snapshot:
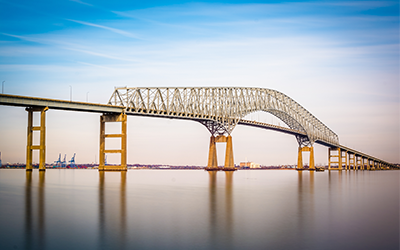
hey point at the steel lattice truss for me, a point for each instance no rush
(221, 108)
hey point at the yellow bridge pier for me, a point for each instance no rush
(367, 163)
(352, 161)
(345, 157)
(42, 144)
(359, 164)
(334, 158)
(113, 118)
(212, 154)
(341, 158)
(300, 158)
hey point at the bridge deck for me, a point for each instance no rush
(27, 101)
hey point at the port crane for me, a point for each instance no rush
(72, 161)
(60, 163)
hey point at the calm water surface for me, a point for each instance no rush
(192, 209)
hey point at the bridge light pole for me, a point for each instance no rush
(87, 93)
(70, 93)
(2, 87)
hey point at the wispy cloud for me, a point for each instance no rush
(25, 38)
(362, 4)
(95, 65)
(80, 2)
(71, 47)
(101, 54)
(117, 31)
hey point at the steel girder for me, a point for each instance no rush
(221, 108)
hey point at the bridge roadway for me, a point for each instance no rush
(112, 113)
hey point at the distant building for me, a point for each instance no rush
(0, 160)
(249, 165)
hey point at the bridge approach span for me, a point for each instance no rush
(349, 152)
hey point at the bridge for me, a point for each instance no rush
(219, 109)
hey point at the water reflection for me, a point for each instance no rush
(101, 208)
(41, 210)
(228, 204)
(213, 205)
(112, 230)
(123, 217)
(199, 210)
(28, 210)
(35, 231)
(305, 206)
(221, 211)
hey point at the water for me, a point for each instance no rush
(192, 209)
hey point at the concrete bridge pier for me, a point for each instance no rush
(359, 165)
(212, 154)
(112, 118)
(334, 158)
(370, 164)
(352, 161)
(344, 156)
(366, 163)
(300, 157)
(341, 158)
(42, 144)
(362, 166)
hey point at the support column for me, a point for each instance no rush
(229, 163)
(42, 144)
(123, 143)
(102, 143)
(29, 141)
(362, 163)
(312, 162)
(113, 118)
(300, 159)
(42, 150)
(212, 155)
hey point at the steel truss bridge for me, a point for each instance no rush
(219, 109)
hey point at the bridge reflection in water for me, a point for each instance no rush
(112, 212)
(35, 219)
(221, 211)
(206, 210)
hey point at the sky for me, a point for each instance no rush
(338, 59)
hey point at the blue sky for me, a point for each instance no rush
(338, 59)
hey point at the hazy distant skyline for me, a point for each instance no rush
(338, 59)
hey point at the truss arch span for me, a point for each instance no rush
(222, 107)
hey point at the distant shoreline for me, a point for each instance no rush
(147, 167)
